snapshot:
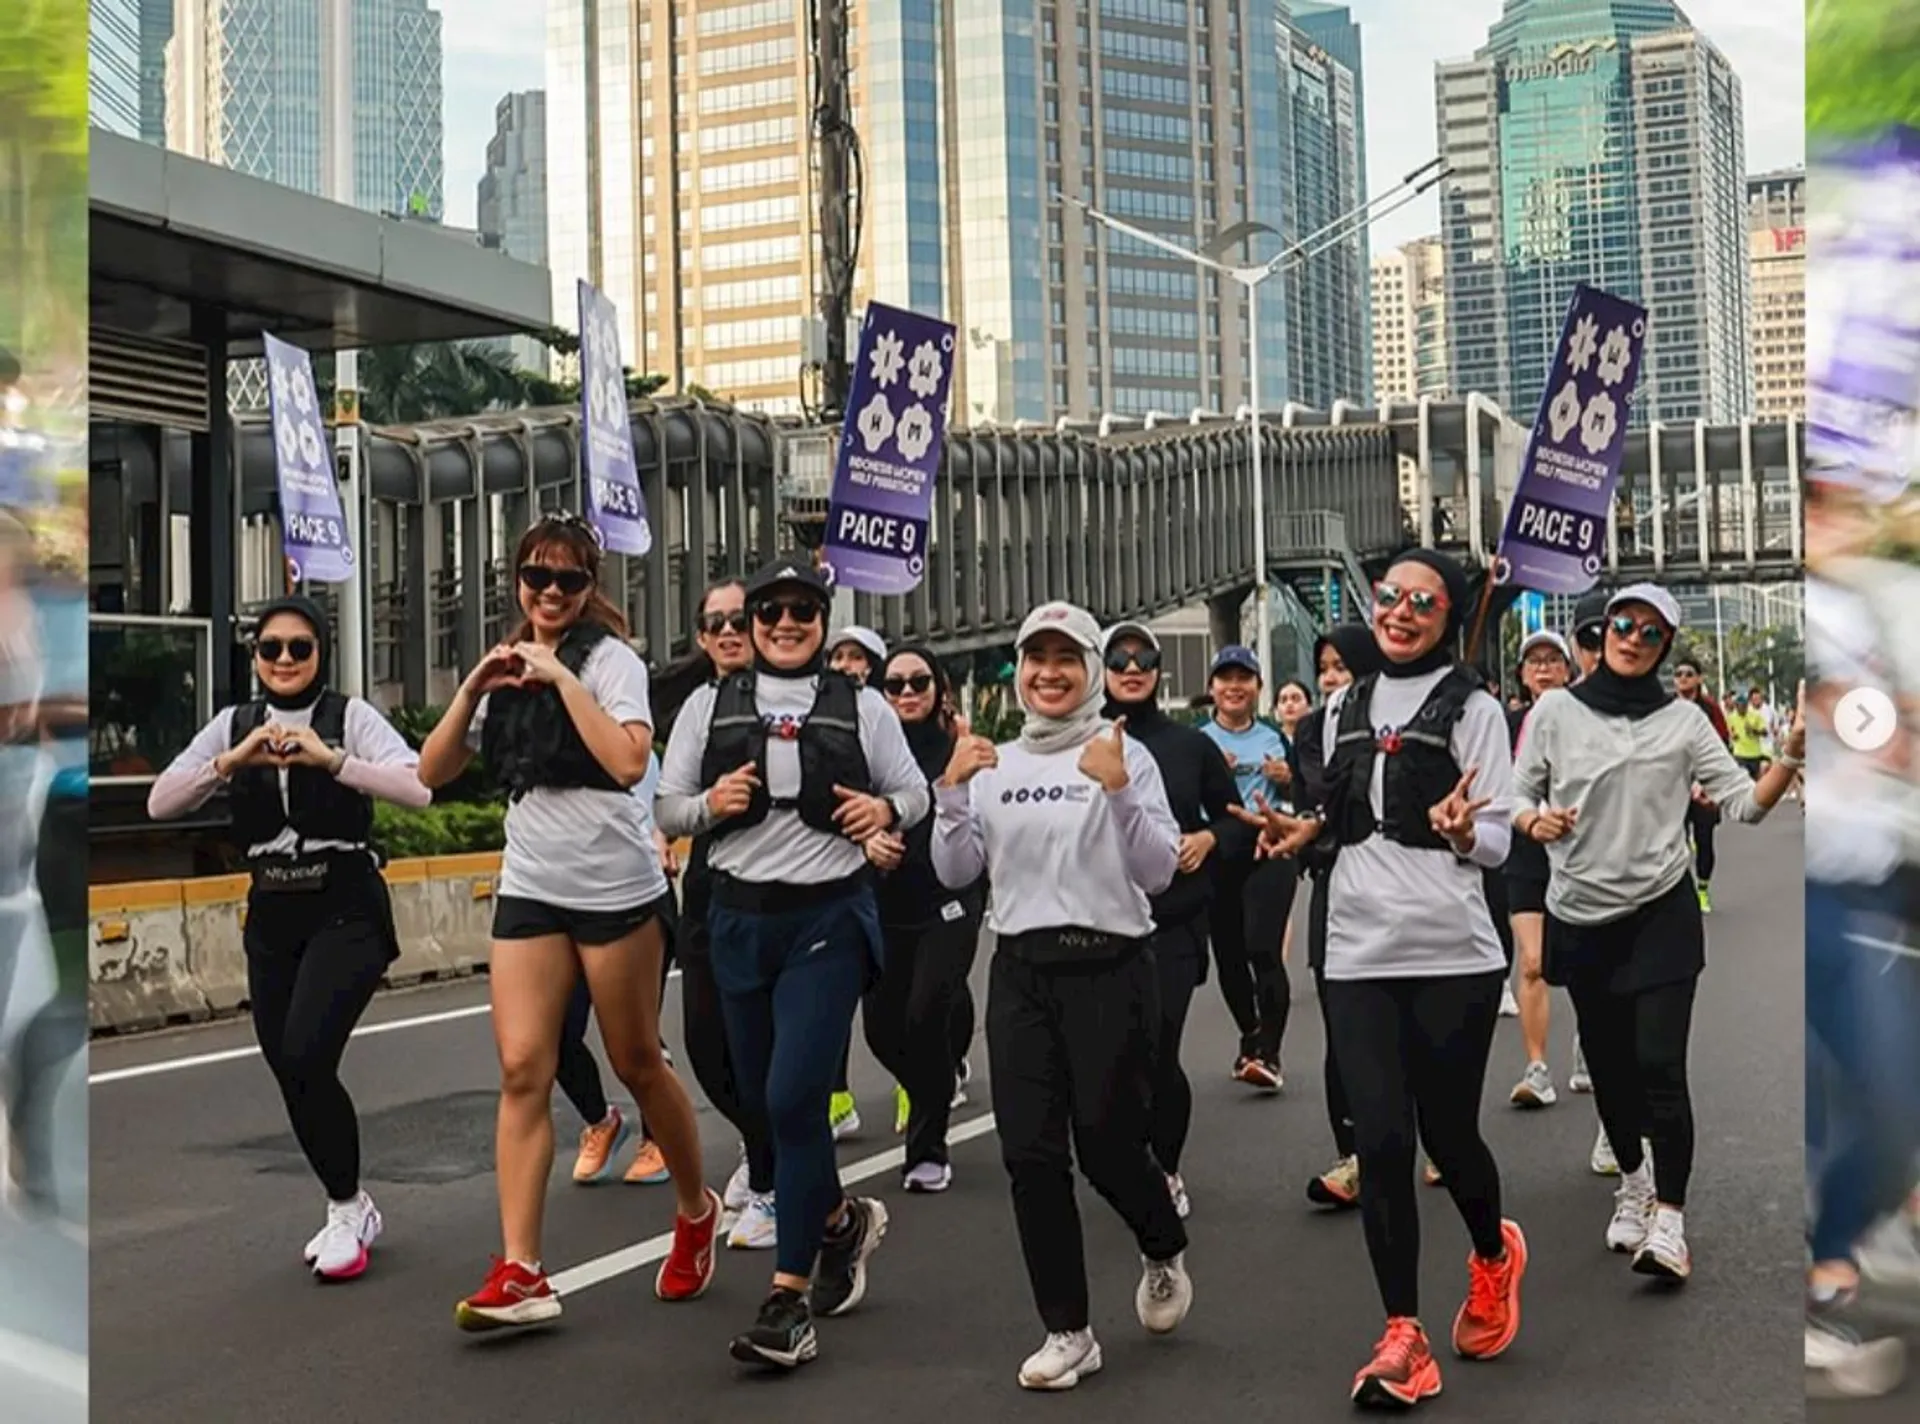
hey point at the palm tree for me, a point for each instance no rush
(435, 381)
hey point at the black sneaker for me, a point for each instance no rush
(840, 1279)
(783, 1335)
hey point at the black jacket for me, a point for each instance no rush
(1201, 790)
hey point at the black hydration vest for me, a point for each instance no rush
(529, 738)
(1420, 771)
(830, 750)
(317, 806)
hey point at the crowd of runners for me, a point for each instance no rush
(849, 837)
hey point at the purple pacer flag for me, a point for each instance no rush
(615, 506)
(313, 531)
(882, 498)
(1556, 535)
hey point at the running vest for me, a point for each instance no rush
(1420, 771)
(529, 738)
(830, 751)
(316, 806)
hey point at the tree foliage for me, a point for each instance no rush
(1861, 70)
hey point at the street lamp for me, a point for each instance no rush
(1339, 230)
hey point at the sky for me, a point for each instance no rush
(494, 47)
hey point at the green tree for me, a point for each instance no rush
(1861, 73)
(1750, 653)
(433, 381)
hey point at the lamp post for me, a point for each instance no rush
(1250, 277)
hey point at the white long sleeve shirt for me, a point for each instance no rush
(783, 849)
(1059, 852)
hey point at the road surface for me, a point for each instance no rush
(201, 1203)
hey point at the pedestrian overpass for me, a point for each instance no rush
(1131, 517)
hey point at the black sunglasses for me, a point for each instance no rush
(714, 624)
(1652, 633)
(298, 649)
(1146, 659)
(540, 578)
(803, 611)
(1590, 638)
(917, 683)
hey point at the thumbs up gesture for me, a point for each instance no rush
(1105, 758)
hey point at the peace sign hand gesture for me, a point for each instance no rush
(1452, 819)
(1105, 758)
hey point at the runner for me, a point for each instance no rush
(1613, 764)
(1251, 899)
(1418, 774)
(860, 653)
(1071, 825)
(302, 766)
(1702, 815)
(931, 935)
(790, 767)
(559, 713)
(1292, 703)
(1200, 790)
(1545, 664)
(1748, 726)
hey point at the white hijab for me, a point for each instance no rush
(1042, 735)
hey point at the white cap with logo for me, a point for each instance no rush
(1067, 619)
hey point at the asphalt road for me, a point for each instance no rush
(202, 1310)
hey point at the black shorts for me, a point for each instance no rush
(1753, 766)
(515, 918)
(1526, 895)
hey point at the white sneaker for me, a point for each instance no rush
(1840, 1365)
(963, 1075)
(756, 1228)
(1632, 1211)
(1889, 1254)
(1580, 1080)
(1535, 1088)
(1509, 1006)
(340, 1250)
(929, 1177)
(1665, 1253)
(1165, 1294)
(739, 1186)
(1177, 1189)
(1602, 1160)
(1062, 1362)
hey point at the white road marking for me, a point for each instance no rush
(44, 1363)
(252, 1050)
(655, 1248)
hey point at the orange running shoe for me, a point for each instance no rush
(1402, 1371)
(649, 1165)
(1490, 1318)
(599, 1142)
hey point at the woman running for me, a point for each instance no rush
(1702, 814)
(1545, 664)
(1418, 778)
(560, 715)
(859, 653)
(1340, 655)
(1251, 899)
(1292, 703)
(1201, 792)
(1070, 824)
(302, 767)
(790, 768)
(931, 935)
(1604, 778)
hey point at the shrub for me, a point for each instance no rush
(472, 785)
(454, 828)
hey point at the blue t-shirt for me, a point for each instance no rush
(1248, 749)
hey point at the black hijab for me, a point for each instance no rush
(1355, 644)
(315, 618)
(1441, 654)
(931, 738)
(1612, 695)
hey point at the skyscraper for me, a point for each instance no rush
(249, 86)
(1332, 27)
(1597, 141)
(1409, 322)
(156, 28)
(1777, 221)
(113, 66)
(511, 204)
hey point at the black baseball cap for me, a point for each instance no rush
(788, 573)
(1590, 616)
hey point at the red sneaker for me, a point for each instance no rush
(1402, 1371)
(688, 1269)
(1490, 1318)
(511, 1296)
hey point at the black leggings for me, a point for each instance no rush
(1180, 959)
(1700, 824)
(1636, 1047)
(1249, 924)
(909, 1015)
(578, 1071)
(307, 985)
(705, 1031)
(1339, 1115)
(1413, 1053)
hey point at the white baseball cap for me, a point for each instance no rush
(868, 641)
(1065, 618)
(1131, 630)
(1545, 638)
(1655, 597)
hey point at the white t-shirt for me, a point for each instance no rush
(575, 846)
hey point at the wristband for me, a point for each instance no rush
(1791, 763)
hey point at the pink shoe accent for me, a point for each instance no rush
(358, 1268)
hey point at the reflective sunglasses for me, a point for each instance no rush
(540, 578)
(803, 611)
(1389, 596)
(1146, 659)
(918, 683)
(714, 624)
(270, 650)
(1591, 638)
(1652, 633)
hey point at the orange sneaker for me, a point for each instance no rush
(599, 1142)
(649, 1165)
(1402, 1371)
(1490, 1318)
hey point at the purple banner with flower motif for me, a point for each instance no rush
(1556, 533)
(881, 505)
(313, 530)
(615, 506)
